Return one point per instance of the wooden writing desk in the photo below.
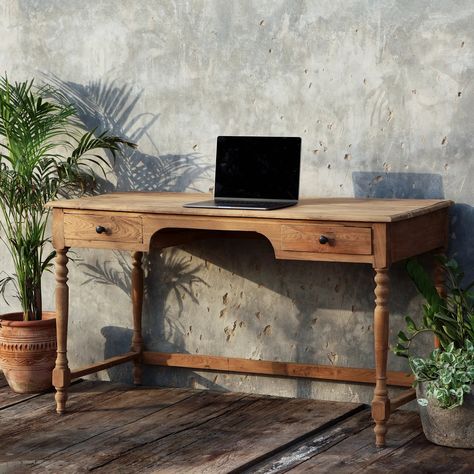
(373, 231)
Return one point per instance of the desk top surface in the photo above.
(317, 209)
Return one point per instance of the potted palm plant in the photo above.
(43, 153)
(445, 379)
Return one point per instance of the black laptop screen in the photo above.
(258, 167)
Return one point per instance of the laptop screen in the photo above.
(258, 167)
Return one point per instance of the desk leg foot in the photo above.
(61, 399)
(61, 372)
(381, 402)
(137, 303)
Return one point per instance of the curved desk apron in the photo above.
(373, 231)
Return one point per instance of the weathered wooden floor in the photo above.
(115, 428)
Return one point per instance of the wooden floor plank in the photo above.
(311, 446)
(424, 457)
(200, 408)
(41, 409)
(356, 452)
(113, 428)
(20, 421)
(102, 411)
(8, 397)
(235, 438)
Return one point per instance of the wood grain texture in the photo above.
(280, 369)
(107, 244)
(355, 453)
(158, 227)
(327, 209)
(425, 458)
(98, 408)
(419, 234)
(341, 239)
(381, 245)
(106, 364)
(323, 257)
(36, 412)
(121, 429)
(117, 228)
(9, 398)
(155, 416)
(248, 429)
(58, 228)
(381, 402)
(61, 372)
(311, 446)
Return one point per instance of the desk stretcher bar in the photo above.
(274, 368)
(249, 366)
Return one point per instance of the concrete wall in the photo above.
(381, 93)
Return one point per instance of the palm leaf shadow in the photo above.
(116, 272)
(105, 105)
(177, 276)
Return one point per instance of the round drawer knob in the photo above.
(323, 240)
(100, 229)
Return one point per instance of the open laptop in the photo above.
(260, 173)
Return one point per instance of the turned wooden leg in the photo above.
(137, 303)
(439, 281)
(61, 372)
(381, 402)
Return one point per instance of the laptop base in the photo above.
(246, 205)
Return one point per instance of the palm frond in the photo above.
(42, 155)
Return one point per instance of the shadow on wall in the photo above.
(397, 185)
(423, 186)
(170, 278)
(461, 242)
(167, 278)
(106, 105)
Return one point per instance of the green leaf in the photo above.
(410, 324)
(423, 283)
(400, 350)
(402, 337)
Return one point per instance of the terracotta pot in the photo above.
(28, 351)
(454, 427)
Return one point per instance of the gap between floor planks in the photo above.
(348, 447)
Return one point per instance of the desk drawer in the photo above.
(114, 228)
(340, 239)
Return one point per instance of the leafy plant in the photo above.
(449, 318)
(42, 154)
(449, 370)
(449, 374)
